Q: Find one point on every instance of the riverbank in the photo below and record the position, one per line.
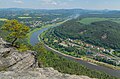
(46, 26)
(86, 63)
(100, 63)
(89, 60)
(34, 40)
(84, 58)
(30, 33)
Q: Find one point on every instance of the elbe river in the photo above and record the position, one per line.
(34, 40)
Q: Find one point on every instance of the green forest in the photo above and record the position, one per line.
(49, 59)
(100, 33)
(104, 33)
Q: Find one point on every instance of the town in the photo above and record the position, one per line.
(80, 49)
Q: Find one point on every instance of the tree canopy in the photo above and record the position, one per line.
(15, 30)
(102, 33)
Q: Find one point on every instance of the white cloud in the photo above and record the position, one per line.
(18, 1)
(52, 2)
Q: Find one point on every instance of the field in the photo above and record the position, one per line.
(27, 17)
(90, 20)
(38, 17)
(3, 19)
(24, 17)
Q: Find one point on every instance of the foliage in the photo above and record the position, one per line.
(41, 51)
(22, 48)
(67, 66)
(95, 19)
(90, 20)
(117, 53)
(15, 30)
(102, 33)
(1, 32)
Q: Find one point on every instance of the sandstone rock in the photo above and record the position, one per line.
(13, 60)
(39, 73)
(23, 65)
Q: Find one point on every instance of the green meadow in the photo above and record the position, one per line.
(90, 20)
(3, 19)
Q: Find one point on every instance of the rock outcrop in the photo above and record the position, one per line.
(39, 73)
(13, 60)
(23, 65)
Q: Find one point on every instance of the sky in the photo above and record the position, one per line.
(62, 4)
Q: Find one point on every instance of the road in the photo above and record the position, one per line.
(89, 65)
(34, 40)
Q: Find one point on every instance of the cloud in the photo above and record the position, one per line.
(18, 1)
(52, 2)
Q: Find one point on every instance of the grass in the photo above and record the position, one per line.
(30, 33)
(24, 17)
(38, 17)
(46, 26)
(101, 63)
(90, 20)
(27, 17)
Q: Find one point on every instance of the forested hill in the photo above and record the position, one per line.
(101, 33)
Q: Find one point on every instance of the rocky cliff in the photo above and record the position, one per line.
(23, 65)
(39, 73)
(13, 60)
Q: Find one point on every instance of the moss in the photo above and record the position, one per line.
(23, 48)
(3, 68)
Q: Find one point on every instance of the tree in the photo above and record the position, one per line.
(15, 30)
(39, 47)
(41, 53)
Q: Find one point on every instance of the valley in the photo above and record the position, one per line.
(76, 41)
(70, 46)
(87, 64)
(59, 39)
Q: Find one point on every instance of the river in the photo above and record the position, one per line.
(34, 40)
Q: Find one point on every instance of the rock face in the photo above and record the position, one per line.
(23, 65)
(13, 60)
(39, 73)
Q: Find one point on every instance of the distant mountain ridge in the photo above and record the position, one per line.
(82, 12)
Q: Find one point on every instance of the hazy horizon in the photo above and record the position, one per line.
(62, 4)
